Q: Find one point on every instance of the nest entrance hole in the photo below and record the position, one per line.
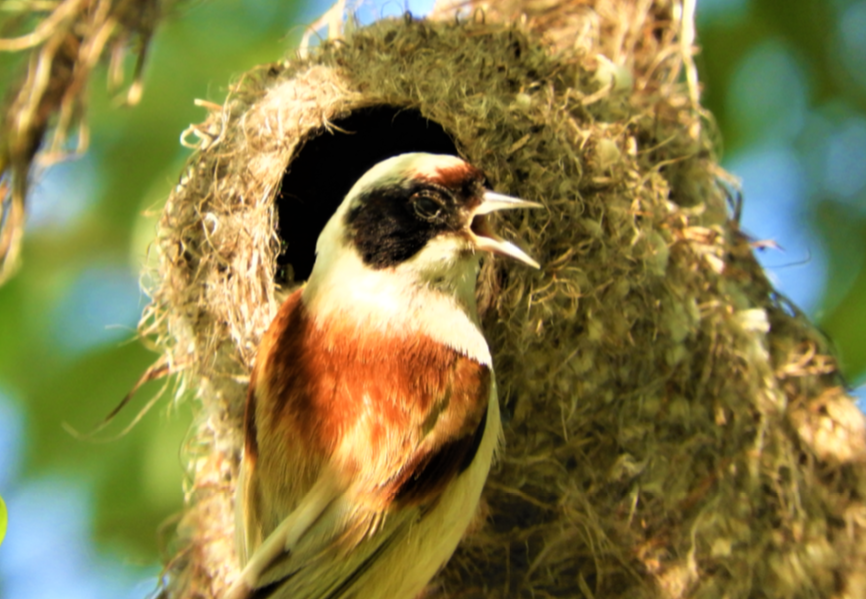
(327, 166)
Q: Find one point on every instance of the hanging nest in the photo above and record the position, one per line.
(673, 427)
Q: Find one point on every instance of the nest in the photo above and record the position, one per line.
(673, 427)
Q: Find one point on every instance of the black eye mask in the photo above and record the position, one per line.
(391, 224)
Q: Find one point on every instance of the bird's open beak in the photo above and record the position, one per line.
(483, 236)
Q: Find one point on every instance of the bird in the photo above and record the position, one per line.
(372, 416)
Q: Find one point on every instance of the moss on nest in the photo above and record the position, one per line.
(673, 428)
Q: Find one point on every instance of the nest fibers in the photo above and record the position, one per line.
(673, 428)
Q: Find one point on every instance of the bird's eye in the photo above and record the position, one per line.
(426, 206)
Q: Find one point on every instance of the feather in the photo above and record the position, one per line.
(373, 445)
(372, 416)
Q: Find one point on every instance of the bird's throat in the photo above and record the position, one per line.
(398, 302)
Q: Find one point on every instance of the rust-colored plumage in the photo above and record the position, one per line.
(372, 417)
(410, 395)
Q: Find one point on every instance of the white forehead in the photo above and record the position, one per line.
(404, 166)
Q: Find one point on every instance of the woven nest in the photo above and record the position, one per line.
(673, 428)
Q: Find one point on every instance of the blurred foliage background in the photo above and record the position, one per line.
(89, 518)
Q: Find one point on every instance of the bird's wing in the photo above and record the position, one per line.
(316, 570)
(324, 548)
(268, 562)
(345, 450)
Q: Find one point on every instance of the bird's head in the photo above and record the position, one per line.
(419, 213)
